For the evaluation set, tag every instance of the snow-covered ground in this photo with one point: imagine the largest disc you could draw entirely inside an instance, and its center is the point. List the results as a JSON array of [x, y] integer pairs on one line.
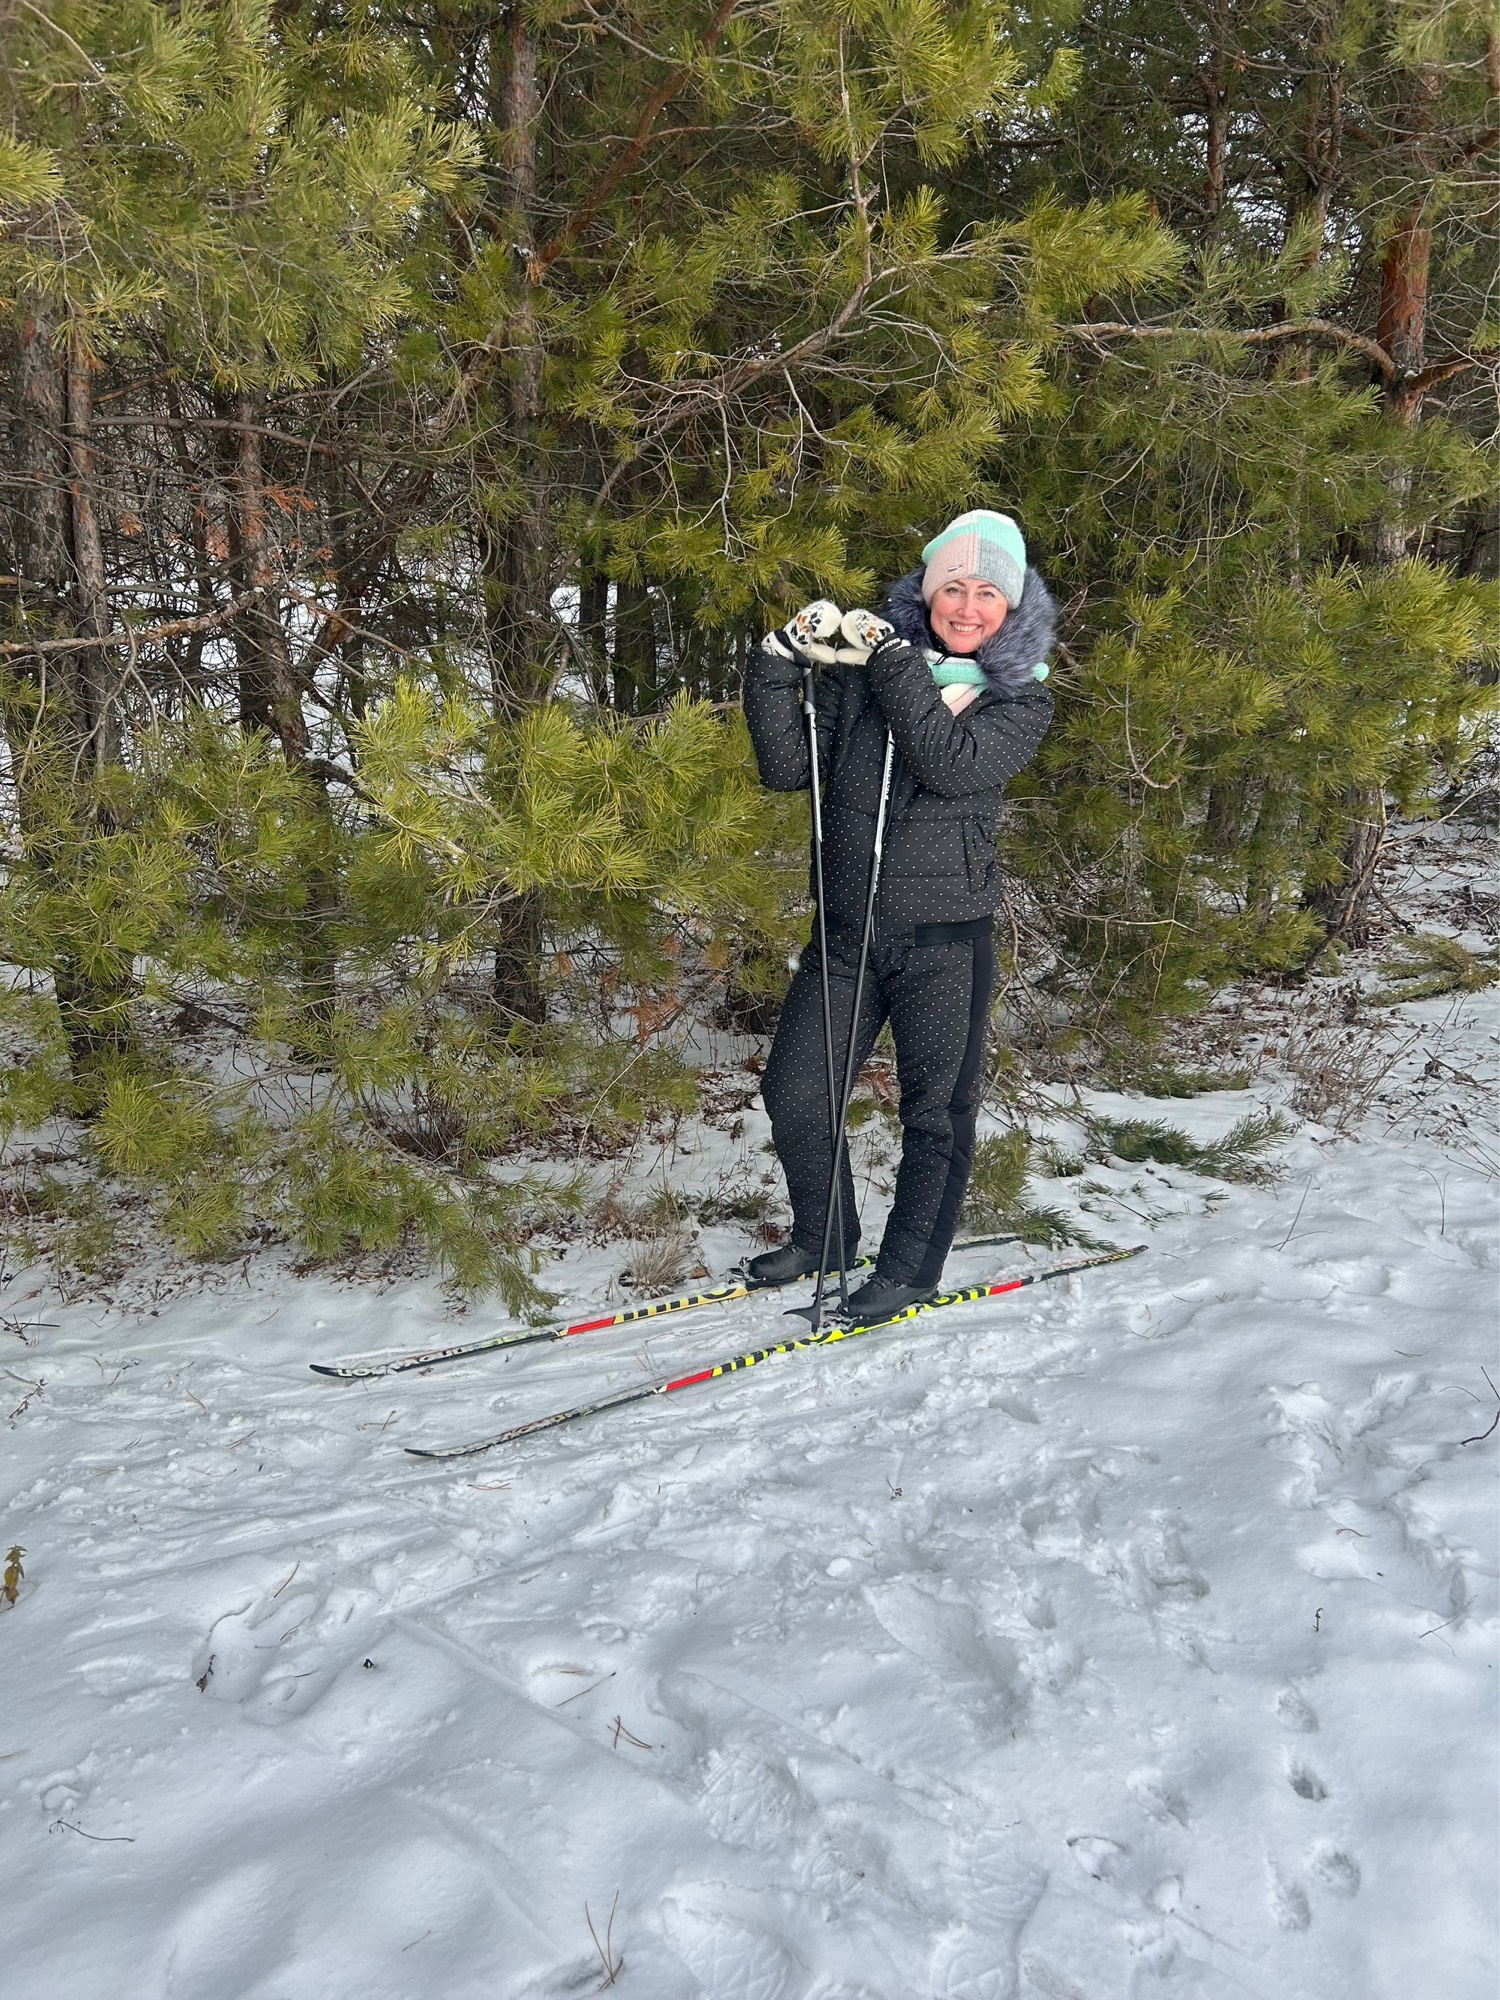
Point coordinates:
[[1129, 1638]]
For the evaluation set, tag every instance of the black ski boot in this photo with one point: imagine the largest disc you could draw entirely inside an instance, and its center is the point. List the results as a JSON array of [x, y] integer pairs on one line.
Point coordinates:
[[781, 1267], [880, 1299]]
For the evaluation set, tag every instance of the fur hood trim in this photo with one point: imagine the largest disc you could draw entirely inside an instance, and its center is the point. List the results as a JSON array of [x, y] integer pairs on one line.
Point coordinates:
[[1023, 642]]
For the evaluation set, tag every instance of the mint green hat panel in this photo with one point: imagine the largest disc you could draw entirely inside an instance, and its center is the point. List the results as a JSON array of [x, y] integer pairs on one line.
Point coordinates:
[[981, 544]]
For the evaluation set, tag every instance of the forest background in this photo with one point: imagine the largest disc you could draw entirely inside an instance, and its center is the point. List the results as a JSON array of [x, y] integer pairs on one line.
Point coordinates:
[[411, 414]]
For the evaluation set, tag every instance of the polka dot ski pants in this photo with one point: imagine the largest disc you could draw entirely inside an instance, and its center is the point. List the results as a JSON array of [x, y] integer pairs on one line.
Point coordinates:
[[936, 998]]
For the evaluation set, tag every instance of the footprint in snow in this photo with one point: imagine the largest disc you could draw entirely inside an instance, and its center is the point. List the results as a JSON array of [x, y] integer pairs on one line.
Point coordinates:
[[62, 1792], [1096, 1854], [731, 1960], [1039, 1611], [752, 1798], [976, 1957], [1306, 1783], [1163, 1573], [746, 1800], [1354, 1277], [1162, 1800], [972, 1664], [1289, 1904], [1336, 1871], [1292, 1712], [970, 1965], [279, 1654], [1019, 1408]]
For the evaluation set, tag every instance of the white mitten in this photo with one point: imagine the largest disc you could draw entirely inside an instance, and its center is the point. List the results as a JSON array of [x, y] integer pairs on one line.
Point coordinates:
[[805, 637], [860, 632]]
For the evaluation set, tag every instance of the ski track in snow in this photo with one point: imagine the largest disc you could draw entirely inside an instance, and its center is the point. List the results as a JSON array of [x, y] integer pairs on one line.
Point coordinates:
[[1129, 1639]]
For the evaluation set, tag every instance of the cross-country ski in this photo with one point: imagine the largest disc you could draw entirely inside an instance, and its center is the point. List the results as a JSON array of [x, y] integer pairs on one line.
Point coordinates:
[[710, 1295], [830, 1333], [432, 1357]]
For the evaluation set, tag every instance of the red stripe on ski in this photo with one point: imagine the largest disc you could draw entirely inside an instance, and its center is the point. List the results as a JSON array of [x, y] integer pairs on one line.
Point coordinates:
[[687, 1381]]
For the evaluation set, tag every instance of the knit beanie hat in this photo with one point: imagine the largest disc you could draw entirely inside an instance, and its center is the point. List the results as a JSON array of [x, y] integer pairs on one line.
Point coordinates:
[[988, 547]]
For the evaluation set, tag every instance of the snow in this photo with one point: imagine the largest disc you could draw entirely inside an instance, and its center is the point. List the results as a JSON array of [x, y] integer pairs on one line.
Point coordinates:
[[1131, 1637]]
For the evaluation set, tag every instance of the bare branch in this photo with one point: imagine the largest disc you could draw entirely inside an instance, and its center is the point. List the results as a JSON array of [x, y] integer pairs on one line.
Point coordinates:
[[1287, 329]]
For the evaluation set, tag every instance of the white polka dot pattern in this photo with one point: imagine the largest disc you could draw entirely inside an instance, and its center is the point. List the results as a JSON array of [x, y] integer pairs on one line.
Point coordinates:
[[940, 868]]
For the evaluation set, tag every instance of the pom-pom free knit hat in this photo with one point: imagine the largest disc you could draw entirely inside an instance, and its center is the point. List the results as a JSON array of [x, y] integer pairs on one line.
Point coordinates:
[[986, 546]]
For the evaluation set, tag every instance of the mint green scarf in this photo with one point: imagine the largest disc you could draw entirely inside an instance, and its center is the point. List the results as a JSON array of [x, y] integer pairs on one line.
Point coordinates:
[[949, 670]]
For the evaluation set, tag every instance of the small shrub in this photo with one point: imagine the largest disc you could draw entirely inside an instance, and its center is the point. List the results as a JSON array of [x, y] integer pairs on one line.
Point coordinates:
[[1147, 1078], [998, 1180], [1238, 1156], [1430, 965], [665, 1209], [1136, 1139], [1336, 1073], [736, 1204], [996, 1199]]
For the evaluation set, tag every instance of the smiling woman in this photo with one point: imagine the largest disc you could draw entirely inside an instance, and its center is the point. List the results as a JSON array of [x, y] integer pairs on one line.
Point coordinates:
[[966, 613], [950, 677]]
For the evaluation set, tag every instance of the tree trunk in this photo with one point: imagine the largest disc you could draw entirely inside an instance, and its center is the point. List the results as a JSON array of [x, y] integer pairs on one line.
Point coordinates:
[[593, 633], [59, 730], [1403, 334], [270, 695], [1216, 137], [514, 552], [269, 690], [96, 690], [1344, 905], [42, 551], [1224, 814], [634, 656], [519, 995]]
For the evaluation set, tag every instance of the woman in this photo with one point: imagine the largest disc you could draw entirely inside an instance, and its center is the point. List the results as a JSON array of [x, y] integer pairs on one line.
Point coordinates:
[[954, 672]]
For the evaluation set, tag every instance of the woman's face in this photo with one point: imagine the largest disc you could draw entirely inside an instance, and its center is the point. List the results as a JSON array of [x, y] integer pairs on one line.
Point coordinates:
[[966, 613]]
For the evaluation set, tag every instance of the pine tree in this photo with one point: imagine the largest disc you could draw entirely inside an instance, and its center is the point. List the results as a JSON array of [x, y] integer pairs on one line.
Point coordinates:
[[1216, 481]]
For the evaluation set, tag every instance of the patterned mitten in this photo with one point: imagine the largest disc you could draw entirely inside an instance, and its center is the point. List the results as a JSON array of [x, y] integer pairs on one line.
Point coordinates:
[[860, 632], [805, 637]]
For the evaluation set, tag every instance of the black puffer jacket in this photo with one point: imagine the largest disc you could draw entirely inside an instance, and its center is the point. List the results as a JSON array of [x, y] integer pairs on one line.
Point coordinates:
[[950, 772]]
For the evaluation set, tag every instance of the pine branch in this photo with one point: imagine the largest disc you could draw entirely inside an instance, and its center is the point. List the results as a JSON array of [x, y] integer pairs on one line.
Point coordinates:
[[613, 174], [540, 262], [1289, 329], [1444, 371]]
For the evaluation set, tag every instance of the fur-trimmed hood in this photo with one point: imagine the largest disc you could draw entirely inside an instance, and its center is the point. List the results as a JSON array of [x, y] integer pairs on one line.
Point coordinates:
[[1023, 642]]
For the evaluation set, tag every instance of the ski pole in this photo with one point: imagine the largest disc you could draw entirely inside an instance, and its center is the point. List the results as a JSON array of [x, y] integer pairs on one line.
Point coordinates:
[[850, 1063], [810, 710]]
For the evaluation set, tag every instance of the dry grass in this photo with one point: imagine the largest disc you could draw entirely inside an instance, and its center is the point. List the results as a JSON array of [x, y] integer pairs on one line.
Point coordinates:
[[1337, 1070], [660, 1260]]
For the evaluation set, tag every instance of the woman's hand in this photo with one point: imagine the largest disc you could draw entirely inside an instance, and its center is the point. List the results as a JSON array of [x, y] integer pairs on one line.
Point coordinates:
[[860, 632], [807, 636]]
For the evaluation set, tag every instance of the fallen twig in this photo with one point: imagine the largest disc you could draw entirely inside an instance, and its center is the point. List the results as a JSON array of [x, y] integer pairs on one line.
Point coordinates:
[[1480, 1436], [613, 1966]]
